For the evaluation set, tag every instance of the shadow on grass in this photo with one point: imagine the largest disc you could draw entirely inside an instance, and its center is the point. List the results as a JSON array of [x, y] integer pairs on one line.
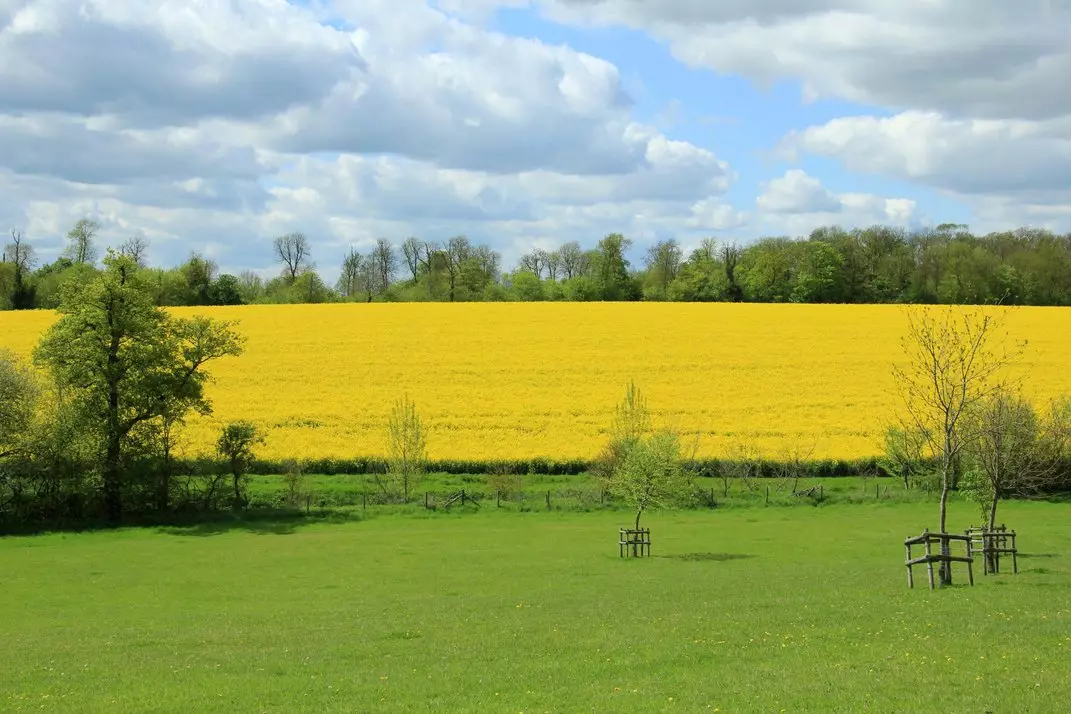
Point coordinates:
[[272, 523], [715, 557]]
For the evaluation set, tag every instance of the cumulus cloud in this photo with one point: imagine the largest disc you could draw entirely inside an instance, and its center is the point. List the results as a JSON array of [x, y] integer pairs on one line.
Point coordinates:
[[976, 156], [155, 62], [218, 124], [800, 203], [971, 97], [984, 58], [796, 192]]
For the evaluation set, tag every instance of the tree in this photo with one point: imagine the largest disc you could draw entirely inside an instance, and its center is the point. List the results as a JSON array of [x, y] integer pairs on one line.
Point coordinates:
[[571, 260], [632, 417], [406, 446], [294, 252], [137, 249], [81, 248], [631, 423], [663, 263], [526, 286], [18, 400], [613, 274], [411, 249], [1013, 449], [651, 474], [236, 445], [349, 278], [199, 272], [21, 256], [903, 455], [535, 262], [225, 290], [386, 264], [730, 256], [125, 361], [458, 250], [954, 360], [250, 287]]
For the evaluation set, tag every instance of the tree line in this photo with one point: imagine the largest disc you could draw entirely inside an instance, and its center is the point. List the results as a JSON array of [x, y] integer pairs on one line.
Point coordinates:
[[91, 428], [878, 264]]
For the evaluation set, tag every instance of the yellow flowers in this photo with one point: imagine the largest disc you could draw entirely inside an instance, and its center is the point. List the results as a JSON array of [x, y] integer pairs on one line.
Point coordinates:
[[523, 380]]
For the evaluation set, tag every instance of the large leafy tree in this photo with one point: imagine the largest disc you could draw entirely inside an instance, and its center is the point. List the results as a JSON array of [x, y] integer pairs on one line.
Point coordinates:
[[125, 362]]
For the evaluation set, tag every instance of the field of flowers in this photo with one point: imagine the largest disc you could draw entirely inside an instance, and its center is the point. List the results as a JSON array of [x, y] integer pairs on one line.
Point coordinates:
[[512, 381]]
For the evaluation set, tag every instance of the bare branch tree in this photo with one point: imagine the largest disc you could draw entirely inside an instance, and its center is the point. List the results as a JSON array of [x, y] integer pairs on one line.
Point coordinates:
[[20, 253], [386, 264], [411, 250], [350, 277], [742, 463], [955, 357], [458, 250], [571, 260], [137, 249], [554, 263], [294, 252], [536, 262]]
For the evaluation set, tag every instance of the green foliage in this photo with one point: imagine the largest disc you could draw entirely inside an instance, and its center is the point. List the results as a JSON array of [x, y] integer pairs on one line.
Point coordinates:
[[19, 394], [525, 286], [296, 484], [651, 474], [236, 444], [123, 361], [225, 290], [407, 450]]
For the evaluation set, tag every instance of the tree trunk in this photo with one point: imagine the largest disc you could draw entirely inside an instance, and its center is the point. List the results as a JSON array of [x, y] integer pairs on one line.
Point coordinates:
[[946, 567], [113, 491]]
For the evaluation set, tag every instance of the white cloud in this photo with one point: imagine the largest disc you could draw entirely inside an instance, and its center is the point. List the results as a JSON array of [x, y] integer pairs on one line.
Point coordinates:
[[218, 124], [985, 58], [796, 192], [800, 203], [966, 156], [979, 90]]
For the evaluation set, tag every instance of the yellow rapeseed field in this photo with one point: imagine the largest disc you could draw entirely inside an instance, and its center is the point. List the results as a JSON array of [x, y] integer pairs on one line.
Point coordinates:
[[541, 380]]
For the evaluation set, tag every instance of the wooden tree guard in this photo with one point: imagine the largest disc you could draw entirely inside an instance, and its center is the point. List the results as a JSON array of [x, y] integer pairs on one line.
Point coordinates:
[[634, 541], [943, 556], [991, 543]]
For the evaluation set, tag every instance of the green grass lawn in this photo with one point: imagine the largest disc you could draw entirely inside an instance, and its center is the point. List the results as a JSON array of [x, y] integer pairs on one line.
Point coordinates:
[[745, 609]]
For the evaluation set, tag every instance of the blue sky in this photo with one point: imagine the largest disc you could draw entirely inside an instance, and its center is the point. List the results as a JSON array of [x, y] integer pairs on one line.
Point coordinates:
[[214, 127], [736, 118]]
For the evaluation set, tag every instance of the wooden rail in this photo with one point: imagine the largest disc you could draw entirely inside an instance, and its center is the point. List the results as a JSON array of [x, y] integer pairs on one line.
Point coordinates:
[[944, 557], [992, 543], [634, 542]]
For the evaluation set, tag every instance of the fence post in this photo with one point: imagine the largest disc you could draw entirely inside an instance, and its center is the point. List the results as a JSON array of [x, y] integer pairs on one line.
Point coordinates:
[[767, 495], [548, 500], [498, 499], [364, 501], [425, 500], [308, 500]]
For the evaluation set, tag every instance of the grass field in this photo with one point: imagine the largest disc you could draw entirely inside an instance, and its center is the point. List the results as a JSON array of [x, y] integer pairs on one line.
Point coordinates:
[[523, 380], [749, 609]]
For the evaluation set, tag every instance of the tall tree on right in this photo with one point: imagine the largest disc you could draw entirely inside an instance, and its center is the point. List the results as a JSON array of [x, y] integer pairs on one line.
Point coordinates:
[[955, 359]]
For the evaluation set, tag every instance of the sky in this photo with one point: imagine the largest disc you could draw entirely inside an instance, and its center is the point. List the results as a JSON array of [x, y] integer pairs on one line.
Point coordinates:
[[215, 125]]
